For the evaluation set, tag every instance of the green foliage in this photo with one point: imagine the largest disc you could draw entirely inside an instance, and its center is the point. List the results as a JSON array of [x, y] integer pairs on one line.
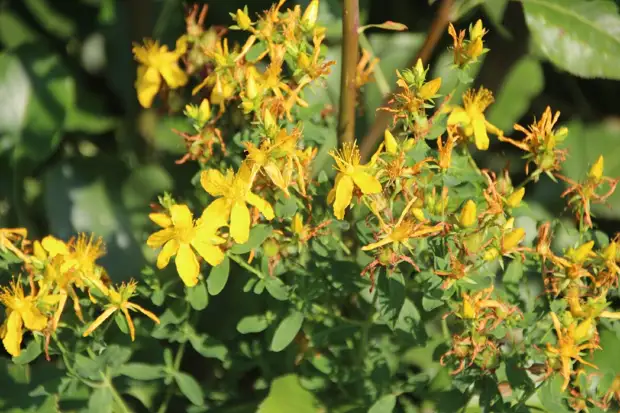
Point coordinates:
[[293, 320]]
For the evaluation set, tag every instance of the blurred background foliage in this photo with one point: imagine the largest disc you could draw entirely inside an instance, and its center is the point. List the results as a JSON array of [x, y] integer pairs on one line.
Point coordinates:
[[77, 153]]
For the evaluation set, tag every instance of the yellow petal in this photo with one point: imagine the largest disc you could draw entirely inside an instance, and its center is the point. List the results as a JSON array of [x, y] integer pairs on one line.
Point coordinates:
[[217, 210], [159, 238], [468, 214], [147, 313], [147, 85], [132, 329], [33, 319], [240, 222], [458, 116], [181, 216], [391, 146], [187, 265], [480, 134], [213, 182], [173, 75], [104, 316], [344, 193], [161, 219], [13, 334], [377, 244], [276, 176], [211, 254], [54, 246], [170, 248], [263, 206], [366, 182]]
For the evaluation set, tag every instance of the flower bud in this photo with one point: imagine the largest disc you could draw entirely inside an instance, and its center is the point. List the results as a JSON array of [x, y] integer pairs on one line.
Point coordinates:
[[391, 146], [477, 31], [581, 253], [515, 198], [468, 311], [250, 86], [303, 61], [204, 110], [468, 214], [609, 254], [268, 120], [596, 171], [429, 89], [297, 225], [584, 331], [408, 144], [418, 213], [490, 255], [310, 15], [512, 239], [243, 20]]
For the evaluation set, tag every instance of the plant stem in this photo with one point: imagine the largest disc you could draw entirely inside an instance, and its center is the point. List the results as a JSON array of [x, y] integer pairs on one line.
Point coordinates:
[[382, 119], [246, 266], [350, 53], [120, 402], [169, 392]]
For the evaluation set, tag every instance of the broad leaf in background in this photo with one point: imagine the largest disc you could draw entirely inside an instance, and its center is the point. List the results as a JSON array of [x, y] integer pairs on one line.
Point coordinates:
[[286, 395], [98, 195], [524, 82], [585, 143], [579, 36]]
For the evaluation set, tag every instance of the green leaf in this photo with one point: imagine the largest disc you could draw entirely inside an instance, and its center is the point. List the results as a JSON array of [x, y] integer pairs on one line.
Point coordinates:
[[514, 272], [391, 290], [287, 395], [286, 331], [142, 371], [218, 277], [101, 401], [276, 288], [385, 404], [189, 387], [258, 234], [579, 36], [585, 143], [252, 324], [37, 92], [197, 296], [31, 352], [551, 395], [524, 82]]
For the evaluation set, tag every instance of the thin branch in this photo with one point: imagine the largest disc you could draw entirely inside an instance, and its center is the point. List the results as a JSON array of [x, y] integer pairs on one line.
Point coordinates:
[[350, 55], [382, 119]]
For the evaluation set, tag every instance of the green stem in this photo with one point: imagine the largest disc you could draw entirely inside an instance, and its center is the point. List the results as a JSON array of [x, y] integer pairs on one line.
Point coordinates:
[[170, 391], [246, 266], [529, 179], [120, 402], [382, 82], [350, 52]]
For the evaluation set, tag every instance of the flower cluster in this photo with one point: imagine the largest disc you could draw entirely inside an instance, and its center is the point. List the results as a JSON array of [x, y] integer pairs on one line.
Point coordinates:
[[56, 272]]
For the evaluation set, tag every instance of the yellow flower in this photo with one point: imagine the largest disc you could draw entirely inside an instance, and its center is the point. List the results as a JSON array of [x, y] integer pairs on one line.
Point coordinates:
[[157, 62], [119, 301], [350, 174], [391, 146], [471, 117], [8, 237], [233, 192], [596, 171], [468, 214], [21, 311], [180, 236]]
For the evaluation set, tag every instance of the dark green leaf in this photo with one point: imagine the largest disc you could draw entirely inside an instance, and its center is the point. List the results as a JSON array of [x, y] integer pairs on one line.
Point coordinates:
[[189, 387], [286, 331], [252, 324], [385, 404], [579, 36], [141, 371], [31, 352], [258, 234], [197, 296], [391, 290], [218, 277], [101, 401]]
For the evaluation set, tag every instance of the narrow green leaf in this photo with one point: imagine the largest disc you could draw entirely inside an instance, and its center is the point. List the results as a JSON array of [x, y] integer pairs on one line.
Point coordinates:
[[385, 404], [197, 296], [141, 371], [276, 288], [286, 331], [189, 387], [218, 277], [579, 36]]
